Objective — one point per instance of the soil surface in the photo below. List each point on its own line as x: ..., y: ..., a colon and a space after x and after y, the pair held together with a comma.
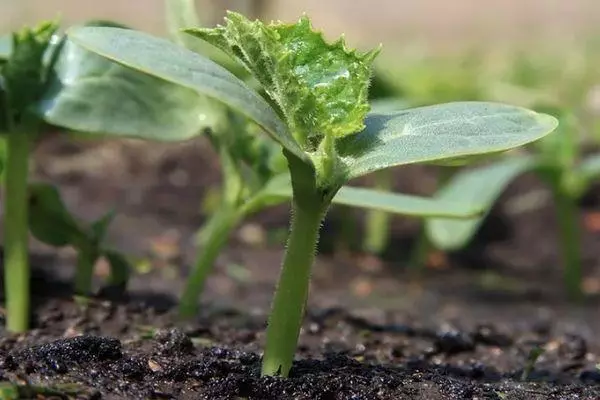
x: 491, y: 322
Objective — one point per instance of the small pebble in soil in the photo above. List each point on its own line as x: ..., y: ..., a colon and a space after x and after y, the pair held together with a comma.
x: 173, y: 341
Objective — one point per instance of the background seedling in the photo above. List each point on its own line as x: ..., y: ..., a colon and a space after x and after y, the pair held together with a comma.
x: 556, y: 160
x: 254, y: 170
x: 319, y: 114
x: 51, y: 223
x: 46, y: 80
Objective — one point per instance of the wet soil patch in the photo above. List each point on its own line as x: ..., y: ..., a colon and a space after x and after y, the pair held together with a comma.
x: 129, y: 350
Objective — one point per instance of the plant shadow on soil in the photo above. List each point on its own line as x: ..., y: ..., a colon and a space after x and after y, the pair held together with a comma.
x: 371, y: 332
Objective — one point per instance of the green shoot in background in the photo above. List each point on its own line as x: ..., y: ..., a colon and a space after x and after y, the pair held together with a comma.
x: 46, y: 81
x: 556, y: 161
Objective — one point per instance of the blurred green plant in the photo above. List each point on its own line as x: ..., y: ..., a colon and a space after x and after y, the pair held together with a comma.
x: 46, y: 81
x: 318, y: 113
x: 566, y: 79
x: 557, y: 161
x: 50, y: 222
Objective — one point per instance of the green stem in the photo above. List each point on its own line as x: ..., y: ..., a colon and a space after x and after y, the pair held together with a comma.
x: 16, y: 263
x: 86, y: 258
x: 214, y: 236
x: 378, y: 222
x: 421, y: 250
x: 567, y: 216
x: 346, y: 239
x: 292, y: 290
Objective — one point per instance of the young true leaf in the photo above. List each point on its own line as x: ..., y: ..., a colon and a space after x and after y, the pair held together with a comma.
x: 165, y: 60
x: 478, y: 187
x: 446, y: 131
x: 321, y: 88
x: 24, y: 72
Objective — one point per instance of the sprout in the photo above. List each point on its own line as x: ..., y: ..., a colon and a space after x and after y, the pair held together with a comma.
x: 326, y: 142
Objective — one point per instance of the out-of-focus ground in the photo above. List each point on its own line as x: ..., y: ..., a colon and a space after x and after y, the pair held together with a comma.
x: 448, y: 23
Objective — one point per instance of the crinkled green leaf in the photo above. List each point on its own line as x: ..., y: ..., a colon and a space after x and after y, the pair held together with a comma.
x: 446, y: 131
x: 321, y: 88
x: 170, y: 62
x: 24, y: 73
x: 49, y: 220
x: 279, y: 189
x: 91, y: 94
x: 479, y: 188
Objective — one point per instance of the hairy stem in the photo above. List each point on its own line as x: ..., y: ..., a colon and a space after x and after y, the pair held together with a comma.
x: 378, y: 222
x: 567, y: 217
x: 214, y: 236
x: 16, y: 262
x: 292, y: 290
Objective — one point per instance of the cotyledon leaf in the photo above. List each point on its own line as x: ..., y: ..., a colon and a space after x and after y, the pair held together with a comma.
x: 168, y: 61
x: 480, y: 188
x: 91, y: 94
x: 280, y: 189
x: 446, y: 131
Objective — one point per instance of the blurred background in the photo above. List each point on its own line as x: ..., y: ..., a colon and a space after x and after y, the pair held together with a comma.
x: 440, y: 23
x: 524, y: 52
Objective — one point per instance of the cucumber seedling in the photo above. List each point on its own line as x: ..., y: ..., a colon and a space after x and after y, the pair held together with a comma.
x: 49, y: 84
x: 254, y: 170
x: 316, y: 109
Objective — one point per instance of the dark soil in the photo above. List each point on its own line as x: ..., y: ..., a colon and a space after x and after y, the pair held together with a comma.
x: 469, y: 328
